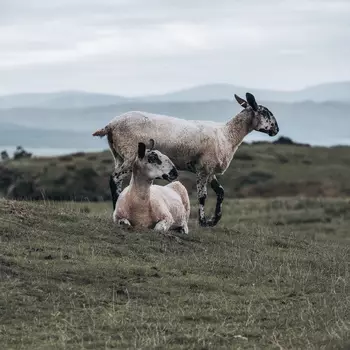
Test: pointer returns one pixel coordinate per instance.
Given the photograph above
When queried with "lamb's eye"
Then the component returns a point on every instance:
(153, 158)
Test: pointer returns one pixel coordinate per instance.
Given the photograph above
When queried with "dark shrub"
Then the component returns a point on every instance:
(66, 158)
(21, 153)
(243, 156)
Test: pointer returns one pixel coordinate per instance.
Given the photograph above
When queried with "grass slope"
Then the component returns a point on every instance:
(274, 274)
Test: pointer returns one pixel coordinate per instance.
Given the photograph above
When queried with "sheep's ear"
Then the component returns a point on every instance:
(151, 144)
(242, 102)
(141, 150)
(251, 101)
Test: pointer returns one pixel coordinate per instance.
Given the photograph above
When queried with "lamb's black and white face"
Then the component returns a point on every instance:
(264, 121)
(154, 164)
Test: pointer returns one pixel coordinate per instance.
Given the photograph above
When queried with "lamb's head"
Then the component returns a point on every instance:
(263, 120)
(154, 164)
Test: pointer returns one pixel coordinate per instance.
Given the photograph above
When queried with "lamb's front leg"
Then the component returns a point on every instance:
(164, 225)
(124, 223)
(202, 180)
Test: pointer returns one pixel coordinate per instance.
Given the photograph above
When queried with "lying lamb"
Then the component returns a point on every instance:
(142, 204)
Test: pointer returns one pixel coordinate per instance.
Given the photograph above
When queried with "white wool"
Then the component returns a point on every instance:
(143, 204)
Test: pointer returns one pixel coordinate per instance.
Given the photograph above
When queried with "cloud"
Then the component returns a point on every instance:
(161, 45)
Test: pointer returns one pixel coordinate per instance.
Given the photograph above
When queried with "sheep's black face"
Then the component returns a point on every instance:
(263, 121)
(266, 122)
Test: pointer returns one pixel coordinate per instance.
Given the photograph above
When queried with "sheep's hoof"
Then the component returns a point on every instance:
(182, 230)
(213, 221)
(203, 222)
(208, 223)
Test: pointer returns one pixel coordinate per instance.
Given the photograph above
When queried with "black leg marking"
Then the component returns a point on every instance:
(219, 190)
(201, 211)
(113, 188)
(116, 183)
(202, 180)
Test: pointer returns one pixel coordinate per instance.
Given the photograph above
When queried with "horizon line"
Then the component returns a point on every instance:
(185, 88)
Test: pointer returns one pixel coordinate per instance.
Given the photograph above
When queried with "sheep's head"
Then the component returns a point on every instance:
(154, 164)
(263, 121)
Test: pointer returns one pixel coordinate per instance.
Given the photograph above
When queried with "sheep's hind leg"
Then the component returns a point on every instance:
(219, 190)
(202, 180)
(116, 181)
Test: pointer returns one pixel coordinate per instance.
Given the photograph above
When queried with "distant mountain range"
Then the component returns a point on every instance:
(318, 115)
(338, 91)
(326, 123)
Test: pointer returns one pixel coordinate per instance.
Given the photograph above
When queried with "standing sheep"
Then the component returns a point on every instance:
(201, 147)
(142, 204)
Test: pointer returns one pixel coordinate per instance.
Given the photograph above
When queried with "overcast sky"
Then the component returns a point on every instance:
(133, 47)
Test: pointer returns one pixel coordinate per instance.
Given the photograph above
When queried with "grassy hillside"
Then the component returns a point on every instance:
(273, 275)
(263, 170)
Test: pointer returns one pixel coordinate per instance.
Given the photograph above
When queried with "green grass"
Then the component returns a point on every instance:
(274, 274)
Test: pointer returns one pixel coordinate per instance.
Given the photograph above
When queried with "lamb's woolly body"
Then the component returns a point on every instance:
(142, 204)
(168, 202)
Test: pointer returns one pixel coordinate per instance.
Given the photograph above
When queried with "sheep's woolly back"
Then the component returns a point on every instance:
(204, 144)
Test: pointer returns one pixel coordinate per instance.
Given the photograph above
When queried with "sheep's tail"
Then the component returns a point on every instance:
(101, 132)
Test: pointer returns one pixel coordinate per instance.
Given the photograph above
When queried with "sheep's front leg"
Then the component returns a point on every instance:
(219, 190)
(202, 180)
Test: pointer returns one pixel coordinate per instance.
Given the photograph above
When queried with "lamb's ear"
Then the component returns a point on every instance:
(242, 102)
(141, 150)
(251, 101)
(151, 144)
